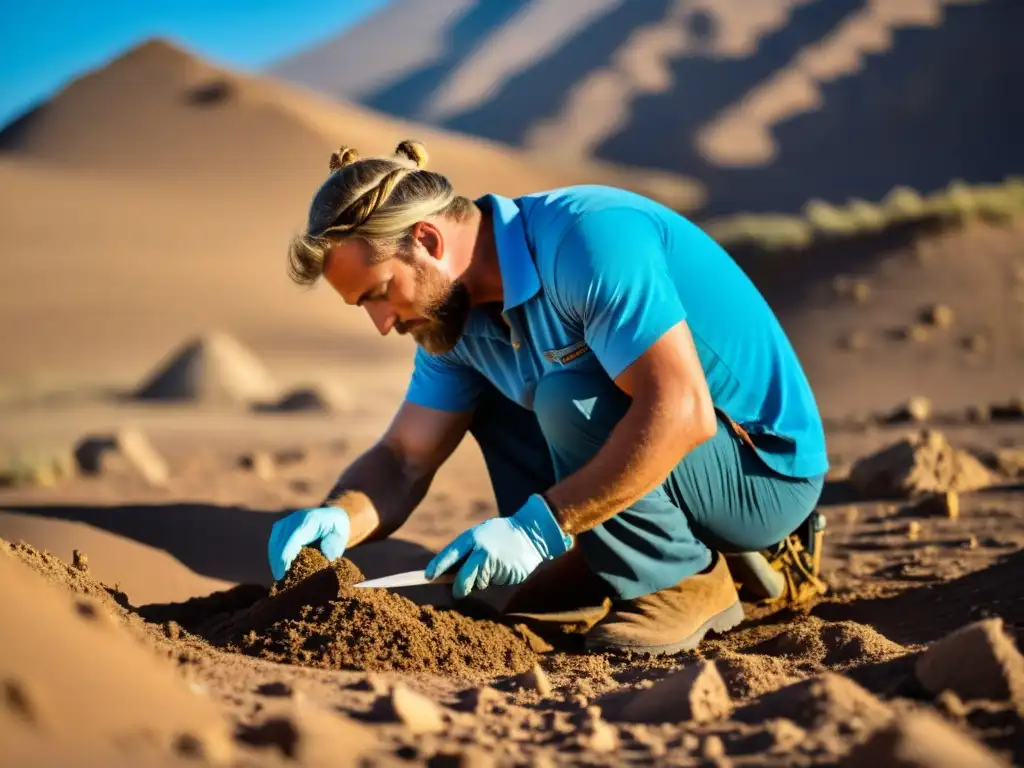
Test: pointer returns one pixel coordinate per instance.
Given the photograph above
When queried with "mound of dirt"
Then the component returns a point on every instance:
(314, 618)
(814, 645)
(75, 580)
(214, 368)
(75, 683)
(919, 464)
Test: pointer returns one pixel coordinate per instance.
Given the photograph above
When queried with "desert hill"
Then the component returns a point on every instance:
(162, 112)
(152, 199)
(768, 103)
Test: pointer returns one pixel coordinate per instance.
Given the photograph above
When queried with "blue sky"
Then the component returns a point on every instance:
(43, 44)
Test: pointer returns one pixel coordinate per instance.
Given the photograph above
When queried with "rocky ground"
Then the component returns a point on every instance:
(910, 658)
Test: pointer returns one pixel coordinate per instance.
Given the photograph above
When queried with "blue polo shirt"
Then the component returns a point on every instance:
(591, 277)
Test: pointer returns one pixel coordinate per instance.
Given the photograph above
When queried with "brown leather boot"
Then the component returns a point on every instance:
(673, 619)
(563, 592)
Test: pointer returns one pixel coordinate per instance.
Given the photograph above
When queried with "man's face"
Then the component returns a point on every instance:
(410, 293)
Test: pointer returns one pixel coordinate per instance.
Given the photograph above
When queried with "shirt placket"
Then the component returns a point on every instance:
(525, 362)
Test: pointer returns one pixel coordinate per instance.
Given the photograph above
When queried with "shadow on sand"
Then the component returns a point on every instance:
(220, 542)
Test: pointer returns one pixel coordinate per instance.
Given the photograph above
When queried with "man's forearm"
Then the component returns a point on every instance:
(379, 492)
(641, 450)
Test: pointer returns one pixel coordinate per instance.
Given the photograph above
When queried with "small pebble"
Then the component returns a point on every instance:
(975, 343)
(713, 747)
(80, 560)
(938, 315)
(854, 340)
(916, 332)
(951, 704)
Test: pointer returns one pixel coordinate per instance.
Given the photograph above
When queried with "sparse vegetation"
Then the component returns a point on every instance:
(956, 205)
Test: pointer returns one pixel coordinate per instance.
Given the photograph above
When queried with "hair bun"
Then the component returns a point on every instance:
(413, 150)
(344, 156)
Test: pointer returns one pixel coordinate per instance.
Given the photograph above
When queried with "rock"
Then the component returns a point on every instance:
(978, 661)
(597, 734)
(939, 315)
(129, 447)
(976, 343)
(535, 680)
(940, 505)
(695, 693)
(260, 463)
(921, 740)
(854, 340)
(80, 560)
(854, 288)
(950, 703)
(1010, 461)
(919, 464)
(915, 332)
(314, 398)
(785, 735)
(42, 467)
(713, 748)
(213, 369)
(418, 713)
(916, 409)
(828, 702)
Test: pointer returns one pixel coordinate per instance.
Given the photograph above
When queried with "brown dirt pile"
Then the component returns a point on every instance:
(314, 618)
(920, 464)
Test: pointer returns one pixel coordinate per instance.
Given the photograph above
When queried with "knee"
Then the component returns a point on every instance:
(576, 409)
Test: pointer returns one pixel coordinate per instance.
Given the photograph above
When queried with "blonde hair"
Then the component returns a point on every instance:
(378, 199)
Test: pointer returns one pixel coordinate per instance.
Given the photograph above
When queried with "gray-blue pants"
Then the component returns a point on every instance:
(720, 496)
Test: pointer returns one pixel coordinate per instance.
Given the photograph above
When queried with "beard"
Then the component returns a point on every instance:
(446, 312)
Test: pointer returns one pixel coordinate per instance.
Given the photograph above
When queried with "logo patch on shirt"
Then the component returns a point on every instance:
(567, 354)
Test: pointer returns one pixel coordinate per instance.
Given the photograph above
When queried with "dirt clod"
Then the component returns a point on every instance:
(921, 740)
(939, 315)
(127, 449)
(922, 463)
(535, 679)
(414, 710)
(979, 661)
(259, 463)
(697, 693)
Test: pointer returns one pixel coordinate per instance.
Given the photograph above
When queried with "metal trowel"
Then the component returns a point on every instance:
(407, 579)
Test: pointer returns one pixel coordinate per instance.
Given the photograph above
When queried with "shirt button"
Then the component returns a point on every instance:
(515, 344)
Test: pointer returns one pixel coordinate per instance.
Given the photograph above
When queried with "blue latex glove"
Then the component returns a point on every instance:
(329, 525)
(502, 550)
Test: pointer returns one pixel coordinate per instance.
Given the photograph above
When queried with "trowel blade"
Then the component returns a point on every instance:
(407, 579)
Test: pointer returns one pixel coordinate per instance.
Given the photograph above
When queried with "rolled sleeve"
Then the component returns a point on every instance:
(443, 382)
(611, 273)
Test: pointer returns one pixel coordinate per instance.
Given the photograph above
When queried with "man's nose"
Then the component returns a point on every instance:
(382, 315)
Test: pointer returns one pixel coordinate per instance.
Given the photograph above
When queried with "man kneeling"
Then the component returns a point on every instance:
(638, 406)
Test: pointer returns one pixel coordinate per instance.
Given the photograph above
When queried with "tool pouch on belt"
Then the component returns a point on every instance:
(789, 572)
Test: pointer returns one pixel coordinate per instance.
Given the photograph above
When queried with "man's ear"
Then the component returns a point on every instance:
(430, 238)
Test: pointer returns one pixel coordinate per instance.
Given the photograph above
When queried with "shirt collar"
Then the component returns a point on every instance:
(519, 279)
